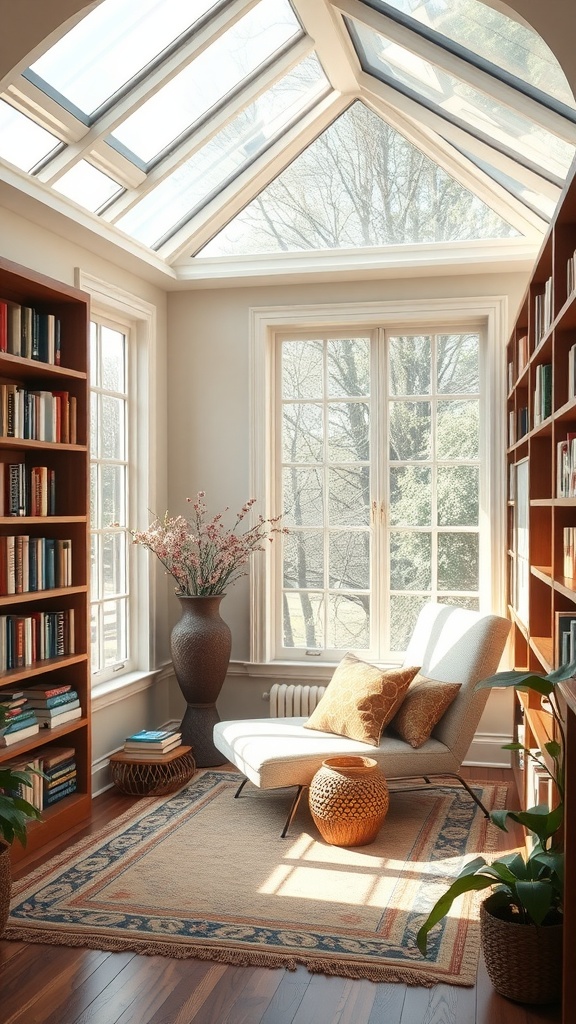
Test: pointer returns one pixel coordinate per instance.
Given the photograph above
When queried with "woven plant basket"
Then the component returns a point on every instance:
(348, 800)
(523, 961)
(5, 884)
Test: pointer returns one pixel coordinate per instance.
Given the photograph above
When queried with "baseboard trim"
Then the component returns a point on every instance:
(486, 751)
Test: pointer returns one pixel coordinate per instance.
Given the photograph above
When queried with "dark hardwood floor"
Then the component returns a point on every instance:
(61, 985)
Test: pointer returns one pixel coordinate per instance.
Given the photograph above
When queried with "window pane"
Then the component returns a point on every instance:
(95, 590)
(458, 430)
(303, 497)
(112, 44)
(458, 363)
(410, 496)
(410, 431)
(385, 192)
(349, 368)
(409, 364)
(112, 496)
(302, 369)
(95, 633)
(458, 565)
(348, 432)
(458, 495)
(303, 620)
(22, 141)
(113, 360)
(302, 433)
(181, 193)
(403, 614)
(461, 103)
(114, 563)
(349, 496)
(349, 621)
(492, 35)
(114, 632)
(87, 186)
(410, 561)
(304, 559)
(112, 428)
(349, 566)
(237, 53)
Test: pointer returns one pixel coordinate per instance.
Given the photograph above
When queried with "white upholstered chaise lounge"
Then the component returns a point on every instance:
(449, 644)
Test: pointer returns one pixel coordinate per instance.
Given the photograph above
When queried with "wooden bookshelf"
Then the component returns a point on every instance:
(541, 506)
(70, 464)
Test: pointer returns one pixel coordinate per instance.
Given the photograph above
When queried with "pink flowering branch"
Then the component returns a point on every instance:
(202, 555)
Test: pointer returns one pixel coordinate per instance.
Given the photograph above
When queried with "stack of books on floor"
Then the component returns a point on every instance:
(59, 767)
(53, 703)
(20, 721)
(152, 743)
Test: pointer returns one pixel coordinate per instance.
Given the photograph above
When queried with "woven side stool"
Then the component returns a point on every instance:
(151, 776)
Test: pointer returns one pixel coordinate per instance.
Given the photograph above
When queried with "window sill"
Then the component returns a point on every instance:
(119, 688)
(287, 671)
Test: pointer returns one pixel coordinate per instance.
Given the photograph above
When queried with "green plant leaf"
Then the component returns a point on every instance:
(520, 680)
(464, 883)
(535, 898)
(553, 748)
(562, 673)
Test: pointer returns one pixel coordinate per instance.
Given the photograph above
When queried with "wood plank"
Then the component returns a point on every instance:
(287, 997)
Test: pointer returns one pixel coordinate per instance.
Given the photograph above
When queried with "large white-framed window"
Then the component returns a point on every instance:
(122, 455)
(372, 426)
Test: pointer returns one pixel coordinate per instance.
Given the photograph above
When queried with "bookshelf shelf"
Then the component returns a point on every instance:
(29, 463)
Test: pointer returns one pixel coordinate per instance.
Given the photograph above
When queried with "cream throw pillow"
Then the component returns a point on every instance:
(422, 708)
(360, 700)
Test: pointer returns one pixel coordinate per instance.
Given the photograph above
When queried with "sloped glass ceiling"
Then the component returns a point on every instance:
(360, 184)
(215, 128)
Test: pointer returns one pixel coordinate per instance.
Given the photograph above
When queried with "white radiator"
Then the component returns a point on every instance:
(293, 701)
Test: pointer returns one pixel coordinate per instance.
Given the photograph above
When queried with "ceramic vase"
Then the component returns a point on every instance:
(200, 645)
(349, 800)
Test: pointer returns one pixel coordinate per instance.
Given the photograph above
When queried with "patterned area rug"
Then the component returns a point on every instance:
(199, 874)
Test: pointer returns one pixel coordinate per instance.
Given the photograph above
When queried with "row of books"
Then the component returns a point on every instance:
(26, 639)
(572, 372)
(571, 273)
(566, 467)
(569, 552)
(518, 424)
(30, 333)
(522, 354)
(27, 490)
(58, 765)
(28, 710)
(29, 564)
(543, 312)
(543, 393)
(38, 415)
(148, 743)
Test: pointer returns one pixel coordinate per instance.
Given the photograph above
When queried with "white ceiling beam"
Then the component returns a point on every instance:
(460, 68)
(231, 200)
(211, 127)
(460, 138)
(332, 43)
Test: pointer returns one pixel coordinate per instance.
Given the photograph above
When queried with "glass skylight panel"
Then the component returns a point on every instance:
(493, 36)
(461, 103)
(22, 141)
(360, 184)
(112, 44)
(87, 186)
(536, 201)
(236, 54)
(186, 189)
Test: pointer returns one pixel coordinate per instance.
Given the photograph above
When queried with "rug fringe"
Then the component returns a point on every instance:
(241, 958)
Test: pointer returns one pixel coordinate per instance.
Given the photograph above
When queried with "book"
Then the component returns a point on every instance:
(60, 792)
(59, 771)
(153, 736)
(150, 749)
(60, 779)
(56, 720)
(54, 756)
(152, 755)
(7, 739)
(46, 690)
(43, 713)
(59, 700)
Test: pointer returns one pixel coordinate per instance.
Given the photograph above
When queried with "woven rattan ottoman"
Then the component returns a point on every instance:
(152, 776)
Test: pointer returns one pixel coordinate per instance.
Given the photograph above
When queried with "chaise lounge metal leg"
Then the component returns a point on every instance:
(292, 811)
(240, 787)
(442, 775)
(471, 792)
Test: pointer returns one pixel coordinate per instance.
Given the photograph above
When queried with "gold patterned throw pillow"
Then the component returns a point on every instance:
(360, 700)
(422, 708)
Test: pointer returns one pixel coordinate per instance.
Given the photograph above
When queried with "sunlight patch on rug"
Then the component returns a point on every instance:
(200, 874)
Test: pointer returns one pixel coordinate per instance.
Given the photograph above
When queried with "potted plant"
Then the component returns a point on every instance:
(15, 814)
(521, 921)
